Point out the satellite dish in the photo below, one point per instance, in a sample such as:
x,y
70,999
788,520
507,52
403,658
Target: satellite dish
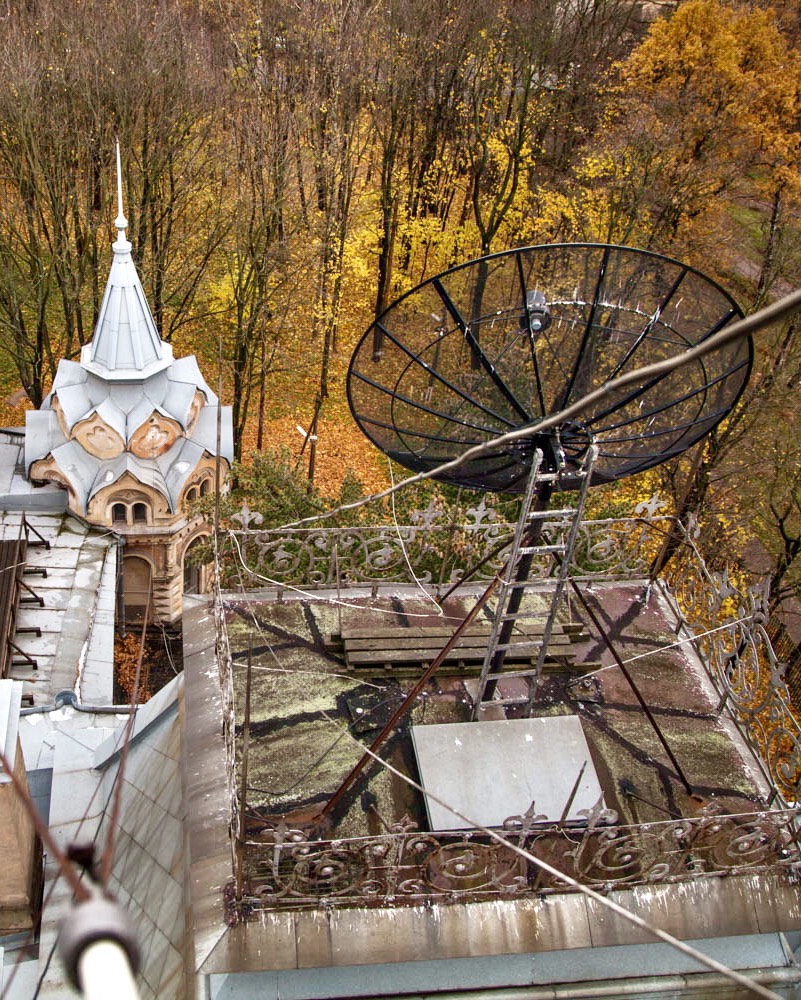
x,y
504,341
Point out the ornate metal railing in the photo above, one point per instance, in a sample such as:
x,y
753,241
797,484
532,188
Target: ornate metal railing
x,y
727,626
225,676
725,623
429,550
405,867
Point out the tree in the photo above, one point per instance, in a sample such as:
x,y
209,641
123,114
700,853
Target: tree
x,y
265,218
72,80
699,157
705,113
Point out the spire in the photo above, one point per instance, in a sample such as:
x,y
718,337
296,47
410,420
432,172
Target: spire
x,y
126,346
120,222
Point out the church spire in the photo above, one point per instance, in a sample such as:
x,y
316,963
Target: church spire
x,y
120,222
126,346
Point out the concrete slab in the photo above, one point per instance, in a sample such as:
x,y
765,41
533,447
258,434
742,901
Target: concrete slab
x,y
490,771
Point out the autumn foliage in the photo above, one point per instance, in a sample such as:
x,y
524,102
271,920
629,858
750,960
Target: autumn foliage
x,y
291,168
126,660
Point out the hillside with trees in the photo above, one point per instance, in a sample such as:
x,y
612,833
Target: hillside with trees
x,y
291,168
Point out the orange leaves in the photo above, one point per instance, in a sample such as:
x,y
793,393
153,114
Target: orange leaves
x,y
126,656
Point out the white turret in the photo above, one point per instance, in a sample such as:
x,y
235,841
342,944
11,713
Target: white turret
x,y
130,432
126,345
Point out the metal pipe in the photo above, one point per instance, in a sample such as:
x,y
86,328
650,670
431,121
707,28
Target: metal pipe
x,y
573,793
410,698
68,698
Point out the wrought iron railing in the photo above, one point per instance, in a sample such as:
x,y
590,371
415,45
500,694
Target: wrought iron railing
x,y
429,550
725,624
405,867
225,677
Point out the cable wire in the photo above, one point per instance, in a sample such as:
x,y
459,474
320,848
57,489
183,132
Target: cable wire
x,y
734,331
585,890
439,611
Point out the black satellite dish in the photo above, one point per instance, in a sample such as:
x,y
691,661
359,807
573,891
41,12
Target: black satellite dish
x,y
504,341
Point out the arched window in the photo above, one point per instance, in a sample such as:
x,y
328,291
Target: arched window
x,y
119,513
140,513
205,487
191,493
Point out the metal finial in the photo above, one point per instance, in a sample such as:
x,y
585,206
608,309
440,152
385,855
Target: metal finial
x,y
120,222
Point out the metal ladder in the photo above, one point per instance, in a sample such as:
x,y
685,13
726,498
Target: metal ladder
x,y
530,541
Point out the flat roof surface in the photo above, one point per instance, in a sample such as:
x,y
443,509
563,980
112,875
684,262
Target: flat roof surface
x,y
312,715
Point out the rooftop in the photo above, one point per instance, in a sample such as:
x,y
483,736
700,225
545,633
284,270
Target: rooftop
x,y
306,701
647,788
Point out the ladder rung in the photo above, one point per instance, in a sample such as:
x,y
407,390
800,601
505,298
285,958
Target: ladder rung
x,y
544,515
541,550
500,702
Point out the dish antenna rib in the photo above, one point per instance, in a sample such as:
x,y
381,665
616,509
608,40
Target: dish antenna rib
x,y
506,340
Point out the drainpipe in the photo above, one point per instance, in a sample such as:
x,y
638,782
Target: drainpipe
x,y
69,699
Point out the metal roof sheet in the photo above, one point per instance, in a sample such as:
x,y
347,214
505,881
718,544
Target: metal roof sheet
x,y
177,464
113,416
156,387
70,373
178,400
112,471
74,402
186,370
126,342
77,466
138,414
205,431
42,434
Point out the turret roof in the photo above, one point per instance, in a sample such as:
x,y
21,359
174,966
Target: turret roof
x,y
126,345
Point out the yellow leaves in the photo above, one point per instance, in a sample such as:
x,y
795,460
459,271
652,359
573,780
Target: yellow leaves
x,y
706,111
126,659
715,64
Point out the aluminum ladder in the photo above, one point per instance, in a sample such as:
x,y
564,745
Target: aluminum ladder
x,y
532,538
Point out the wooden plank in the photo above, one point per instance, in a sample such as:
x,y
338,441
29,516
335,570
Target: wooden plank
x,y
403,671
464,642
362,656
433,631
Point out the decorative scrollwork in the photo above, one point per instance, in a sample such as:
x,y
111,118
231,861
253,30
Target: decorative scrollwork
x,y
473,867
435,552
727,627
409,867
